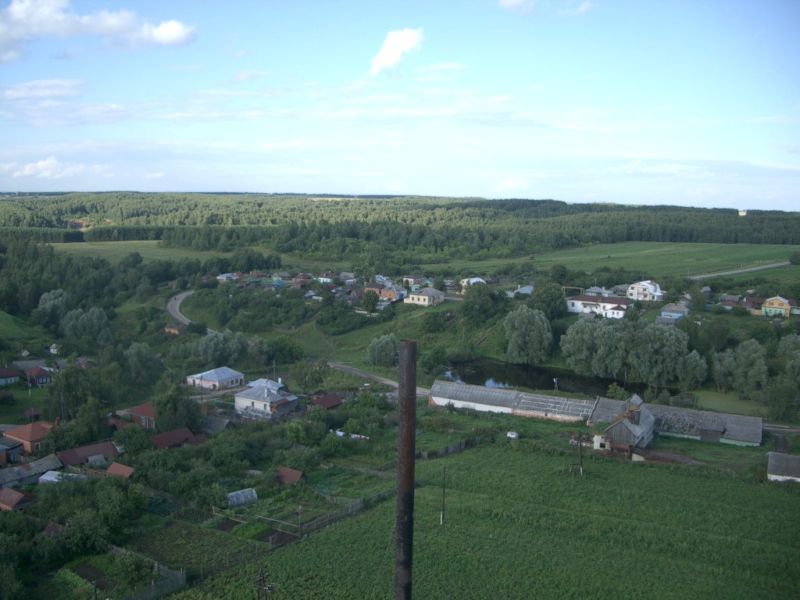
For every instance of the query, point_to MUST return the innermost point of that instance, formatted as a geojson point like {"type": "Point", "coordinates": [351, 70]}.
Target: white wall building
{"type": "Point", "coordinates": [610, 307]}
{"type": "Point", "coordinates": [425, 297]}
{"type": "Point", "coordinates": [216, 379]}
{"type": "Point", "coordinates": [645, 291]}
{"type": "Point", "coordinates": [268, 401]}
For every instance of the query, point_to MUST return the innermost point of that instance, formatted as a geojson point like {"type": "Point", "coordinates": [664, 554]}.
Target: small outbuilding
{"type": "Point", "coordinates": [11, 499]}
{"type": "Point", "coordinates": [241, 497]}
{"type": "Point", "coordinates": [116, 469]}
{"type": "Point", "coordinates": [783, 467]}
{"type": "Point", "coordinates": [287, 476]}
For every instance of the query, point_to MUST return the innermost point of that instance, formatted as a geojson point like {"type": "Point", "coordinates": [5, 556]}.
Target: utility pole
{"type": "Point", "coordinates": [407, 417]}
{"type": "Point", "coordinates": [263, 586]}
{"type": "Point", "coordinates": [444, 487]}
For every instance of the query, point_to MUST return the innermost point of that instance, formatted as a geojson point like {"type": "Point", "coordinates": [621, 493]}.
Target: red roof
{"type": "Point", "coordinates": [143, 410]}
{"type": "Point", "coordinates": [173, 439]}
{"type": "Point", "coordinates": [32, 432]}
{"type": "Point", "coordinates": [288, 476]}
{"type": "Point", "coordinates": [78, 456]}
{"type": "Point", "coordinates": [10, 499]}
{"type": "Point", "coordinates": [327, 401]}
{"type": "Point", "coordinates": [5, 373]}
{"type": "Point", "coordinates": [119, 470]}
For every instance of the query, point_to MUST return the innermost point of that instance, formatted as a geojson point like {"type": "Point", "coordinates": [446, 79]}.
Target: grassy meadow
{"type": "Point", "coordinates": [149, 250]}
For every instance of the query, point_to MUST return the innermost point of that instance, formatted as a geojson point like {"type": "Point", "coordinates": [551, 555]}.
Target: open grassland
{"type": "Point", "coordinates": [789, 274]}
{"type": "Point", "coordinates": [519, 525]}
{"type": "Point", "coordinates": [19, 334]}
{"type": "Point", "coordinates": [149, 250]}
{"type": "Point", "coordinates": [667, 259]}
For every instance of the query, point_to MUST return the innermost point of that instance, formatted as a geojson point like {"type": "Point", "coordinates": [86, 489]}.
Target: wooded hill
{"type": "Point", "coordinates": [335, 226]}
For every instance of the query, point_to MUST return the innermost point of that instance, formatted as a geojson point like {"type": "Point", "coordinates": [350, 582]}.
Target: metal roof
{"type": "Point", "coordinates": [218, 374]}
{"type": "Point", "coordinates": [519, 402]}
{"type": "Point", "coordinates": [687, 421]}
{"type": "Point", "coordinates": [784, 465]}
{"type": "Point", "coordinates": [242, 497]}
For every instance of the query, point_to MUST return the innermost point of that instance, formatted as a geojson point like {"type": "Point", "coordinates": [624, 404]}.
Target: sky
{"type": "Point", "coordinates": [681, 102]}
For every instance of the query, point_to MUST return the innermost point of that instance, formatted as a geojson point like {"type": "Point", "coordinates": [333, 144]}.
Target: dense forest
{"type": "Point", "coordinates": [335, 227]}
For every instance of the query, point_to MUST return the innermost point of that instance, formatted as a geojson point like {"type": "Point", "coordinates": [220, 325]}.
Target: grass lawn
{"type": "Point", "coordinates": [149, 249]}
{"type": "Point", "coordinates": [24, 398]}
{"type": "Point", "coordinates": [728, 402]}
{"type": "Point", "coordinates": [17, 334]}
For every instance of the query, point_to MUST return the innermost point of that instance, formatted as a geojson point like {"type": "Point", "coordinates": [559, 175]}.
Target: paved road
{"type": "Point", "coordinates": [421, 391]}
{"type": "Point", "coordinates": [785, 263]}
{"type": "Point", "coordinates": [174, 308]}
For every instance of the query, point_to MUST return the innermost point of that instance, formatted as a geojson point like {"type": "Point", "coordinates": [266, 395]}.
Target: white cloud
{"type": "Point", "coordinates": [513, 183]}
{"type": "Point", "coordinates": [27, 20]}
{"type": "Point", "coordinates": [167, 33]}
{"type": "Point", "coordinates": [43, 88]}
{"type": "Point", "coordinates": [396, 44]}
{"type": "Point", "coordinates": [583, 8]}
{"type": "Point", "coordinates": [243, 76]}
{"type": "Point", "coordinates": [51, 168]}
{"type": "Point", "coordinates": [517, 5]}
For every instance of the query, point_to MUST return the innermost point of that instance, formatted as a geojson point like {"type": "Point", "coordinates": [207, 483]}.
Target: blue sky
{"type": "Point", "coordinates": [640, 102]}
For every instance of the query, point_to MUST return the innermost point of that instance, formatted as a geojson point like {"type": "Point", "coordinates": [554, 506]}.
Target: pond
{"type": "Point", "coordinates": [491, 373]}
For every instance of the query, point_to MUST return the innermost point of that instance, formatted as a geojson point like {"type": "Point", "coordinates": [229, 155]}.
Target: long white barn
{"type": "Point", "coordinates": [512, 402]}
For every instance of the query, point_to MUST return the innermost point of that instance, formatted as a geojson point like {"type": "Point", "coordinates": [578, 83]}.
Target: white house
{"type": "Point", "coordinates": [216, 379]}
{"type": "Point", "coordinates": [611, 307]}
{"type": "Point", "coordinates": [425, 297]}
{"type": "Point", "coordinates": [225, 277]}
{"type": "Point", "coordinates": [264, 402]}
{"type": "Point", "coordinates": [646, 291]}
{"type": "Point", "coordinates": [470, 281]}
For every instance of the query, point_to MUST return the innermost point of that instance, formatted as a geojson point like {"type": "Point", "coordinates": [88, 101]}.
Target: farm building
{"type": "Point", "coordinates": [93, 454]}
{"type": "Point", "coordinates": [29, 472]}
{"type": "Point", "coordinates": [216, 379]}
{"type": "Point", "coordinates": [175, 438]}
{"type": "Point", "coordinates": [537, 406]}
{"type": "Point", "coordinates": [264, 402]}
{"type": "Point", "coordinates": [688, 423]}
{"type": "Point", "coordinates": [633, 427]}
{"type": "Point", "coordinates": [783, 467]}
{"type": "Point", "coordinates": [59, 476]}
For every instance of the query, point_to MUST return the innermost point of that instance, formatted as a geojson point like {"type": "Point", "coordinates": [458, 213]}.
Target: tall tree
{"type": "Point", "coordinates": [528, 335]}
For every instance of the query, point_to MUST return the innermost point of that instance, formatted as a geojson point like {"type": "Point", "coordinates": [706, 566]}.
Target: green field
{"type": "Point", "coordinates": [519, 525]}
{"type": "Point", "coordinates": [667, 259]}
{"type": "Point", "coordinates": [149, 249]}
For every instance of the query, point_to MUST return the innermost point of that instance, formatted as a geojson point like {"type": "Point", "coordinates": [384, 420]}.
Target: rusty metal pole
{"type": "Point", "coordinates": [407, 414]}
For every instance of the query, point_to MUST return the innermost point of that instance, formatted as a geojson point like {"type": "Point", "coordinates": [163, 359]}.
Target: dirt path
{"type": "Point", "coordinates": [421, 391]}
{"type": "Point", "coordinates": [777, 265]}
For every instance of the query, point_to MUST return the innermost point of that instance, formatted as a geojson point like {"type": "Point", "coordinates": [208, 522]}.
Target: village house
{"type": "Point", "coordinates": [645, 291]}
{"type": "Point", "coordinates": [175, 438]}
{"type": "Point", "coordinates": [348, 279]}
{"type": "Point", "coordinates": [143, 415]}
{"type": "Point", "coordinates": [326, 278]}
{"type": "Point", "coordinates": [672, 313]}
{"type": "Point", "coordinates": [392, 292]}
{"type": "Point", "coordinates": [216, 379]}
{"type": "Point", "coordinates": [521, 290]}
{"type": "Point", "coordinates": [753, 304]}
{"type": "Point", "coordinates": [778, 306]}
{"type": "Point", "coordinates": [598, 291]}
{"type": "Point", "coordinates": [783, 467]}
{"type": "Point", "coordinates": [228, 277]}
{"type": "Point", "coordinates": [30, 436]}
{"type": "Point", "coordinates": [8, 377]}
{"type": "Point", "coordinates": [268, 401]}
{"type": "Point", "coordinates": [96, 455]}
{"type": "Point", "coordinates": [611, 307]}
{"type": "Point", "coordinates": [468, 282]}
{"type": "Point", "coordinates": [425, 297]}
{"type": "Point", "coordinates": [634, 427]}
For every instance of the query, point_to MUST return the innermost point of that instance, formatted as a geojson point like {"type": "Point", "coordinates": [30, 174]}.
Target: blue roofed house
{"type": "Point", "coordinates": [269, 400]}
{"type": "Point", "coordinates": [216, 379]}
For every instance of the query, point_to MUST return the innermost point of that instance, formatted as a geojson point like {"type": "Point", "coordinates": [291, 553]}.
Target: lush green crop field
{"type": "Point", "coordinates": [667, 259]}
{"type": "Point", "coordinates": [149, 249]}
{"type": "Point", "coordinates": [520, 526]}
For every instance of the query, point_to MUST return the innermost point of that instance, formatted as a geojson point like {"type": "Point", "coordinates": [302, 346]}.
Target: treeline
{"type": "Point", "coordinates": [342, 225]}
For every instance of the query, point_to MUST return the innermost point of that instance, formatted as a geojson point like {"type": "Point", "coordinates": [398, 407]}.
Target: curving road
{"type": "Point", "coordinates": [174, 308]}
